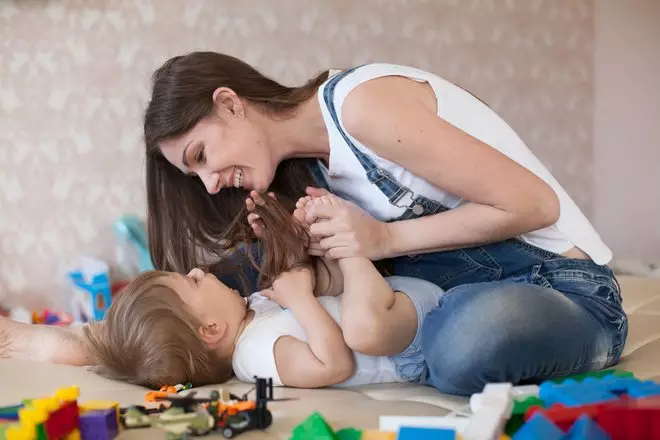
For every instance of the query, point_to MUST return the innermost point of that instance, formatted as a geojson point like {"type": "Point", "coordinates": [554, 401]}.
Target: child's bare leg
{"type": "Point", "coordinates": [43, 343]}
{"type": "Point", "coordinates": [375, 319]}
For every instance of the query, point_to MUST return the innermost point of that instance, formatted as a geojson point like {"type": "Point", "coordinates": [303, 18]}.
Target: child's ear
{"type": "Point", "coordinates": [213, 333]}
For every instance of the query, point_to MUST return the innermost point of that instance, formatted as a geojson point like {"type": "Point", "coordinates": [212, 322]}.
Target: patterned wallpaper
{"type": "Point", "coordinates": [74, 79]}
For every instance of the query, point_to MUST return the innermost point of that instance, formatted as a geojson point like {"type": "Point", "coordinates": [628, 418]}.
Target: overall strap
{"type": "Point", "coordinates": [398, 195]}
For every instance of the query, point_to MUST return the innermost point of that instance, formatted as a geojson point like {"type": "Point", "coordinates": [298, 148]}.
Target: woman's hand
{"type": "Point", "coordinates": [292, 288]}
{"type": "Point", "coordinates": [347, 230]}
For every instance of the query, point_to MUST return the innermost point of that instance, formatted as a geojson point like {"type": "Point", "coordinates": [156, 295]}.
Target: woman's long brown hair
{"type": "Point", "coordinates": [187, 227]}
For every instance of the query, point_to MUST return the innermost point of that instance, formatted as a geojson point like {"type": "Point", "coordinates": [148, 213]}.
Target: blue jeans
{"type": "Point", "coordinates": [516, 313]}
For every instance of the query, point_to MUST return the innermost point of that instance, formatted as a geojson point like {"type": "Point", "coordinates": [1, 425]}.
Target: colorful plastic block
{"type": "Point", "coordinates": [586, 429]}
{"type": "Point", "coordinates": [564, 417]}
{"type": "Point", "coordinates": [99, 425]}
{"type": "Point", "coordinates": [97, 405]}
{"type": "Point", "coordinates": [413, 433]}
{"type": "Point", "coordinates": [349, 434]}
{"type": "Point", "coordinates": [313, 427]}
{"type": "Point", "coordinates": [596, 390]}
{"type": "Point", "coordinates": [595, 374]}
{"type": "Point", "coordinates": [539, 428]}
{"type": "Point", "coordinates": [378, 435]}
{"type": "Point", "coordinates": [62, 421]}
{"type": "Point", "coordinates": [10, 412]}
{"type": "Point", "coordinates": [394, 423]}
{"type": "Point", "coordinates": [520, 407]}
{"type": "Point", "coordinates": [632, 419]}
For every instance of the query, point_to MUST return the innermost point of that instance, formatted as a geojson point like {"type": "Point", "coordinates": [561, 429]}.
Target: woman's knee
{"type": "Point", "coordinates": [489, 332]}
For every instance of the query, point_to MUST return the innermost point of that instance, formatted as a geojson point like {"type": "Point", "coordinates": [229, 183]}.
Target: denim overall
{"type": "Point", "coordinates": [511, 312]}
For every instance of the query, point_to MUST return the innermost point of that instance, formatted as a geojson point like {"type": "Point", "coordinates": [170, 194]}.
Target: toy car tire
{"type": "Point", "coordinates": [227, 433]}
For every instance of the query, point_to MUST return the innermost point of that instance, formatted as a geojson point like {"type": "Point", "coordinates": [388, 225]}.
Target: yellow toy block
{"type": "Point", "coordinates": [19, 432]}
{"type": "Point", "coordinates": [32, 416]}
{"type": "Point", "coordinates": [73, 435]}
{"type": "Point", "coordinates": [47, 404]}
{"type": "Point", "coordinates": [378, 435]}
{"type": "Point", "coordinates": [67, 394]}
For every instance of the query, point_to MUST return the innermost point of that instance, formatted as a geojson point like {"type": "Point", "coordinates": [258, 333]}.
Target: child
{"type": "Point", "coordinates": [167, 328]}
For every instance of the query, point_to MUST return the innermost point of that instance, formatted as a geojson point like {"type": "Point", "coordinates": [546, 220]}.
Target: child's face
{"type": "Point", "coordinates": [210, 300]}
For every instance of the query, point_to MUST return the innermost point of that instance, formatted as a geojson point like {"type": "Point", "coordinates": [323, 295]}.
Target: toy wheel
{"type": "Point", "coordinates": [228, 433]}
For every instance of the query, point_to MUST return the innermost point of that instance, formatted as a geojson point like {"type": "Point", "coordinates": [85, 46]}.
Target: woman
{"type": "Point", "coordinates": [442, 189]}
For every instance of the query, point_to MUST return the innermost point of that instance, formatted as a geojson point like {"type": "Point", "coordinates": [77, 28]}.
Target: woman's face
{"type": "Point", "coordinates": [228, 148]}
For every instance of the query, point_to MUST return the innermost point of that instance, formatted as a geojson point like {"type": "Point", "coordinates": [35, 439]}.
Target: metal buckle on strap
{"type": "Point", "coordinates": [407, 200]}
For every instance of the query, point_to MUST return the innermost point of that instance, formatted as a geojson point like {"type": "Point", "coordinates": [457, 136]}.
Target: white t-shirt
{"type": "Point", "coordinates": [346, 176]}
{"type": "Point", "coordinates": [254, 354]}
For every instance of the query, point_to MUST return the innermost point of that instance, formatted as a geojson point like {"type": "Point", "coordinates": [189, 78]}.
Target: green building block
{"type": "Point", "coordinates": [312, 428]}
{"type": "Point", "coordinates": [595, 374]}
{"type": "Point", "coordinates": [349, 434]}
{"type": "Point", "coordinates": [520, 407]}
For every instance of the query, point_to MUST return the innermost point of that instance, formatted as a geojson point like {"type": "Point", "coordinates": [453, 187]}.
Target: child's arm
{"type": "Point", "coordinates": [324, 359]}
{"type": "Point", "coordinates": [376, 320]}
{"type": "Point", "coordinates": [43, 343]}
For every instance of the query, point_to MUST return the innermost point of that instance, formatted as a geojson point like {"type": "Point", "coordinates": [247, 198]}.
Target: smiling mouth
{"type": "Point", "coordinates": [238, 178]}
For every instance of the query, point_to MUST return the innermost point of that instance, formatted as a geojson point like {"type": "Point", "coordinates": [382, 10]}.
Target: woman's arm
{"type": "Point", "coordinates": [324, 359]}
{"type": "Point", "coordinates": [43, 343]}
{"type": "Point", "coordinates": [402, 126]}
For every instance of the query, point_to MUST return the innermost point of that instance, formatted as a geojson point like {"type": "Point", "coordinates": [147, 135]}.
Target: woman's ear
{"type": "Point", "coordinates": [213, 333]}
{"type": "Point", "coordinates": [228, 102]}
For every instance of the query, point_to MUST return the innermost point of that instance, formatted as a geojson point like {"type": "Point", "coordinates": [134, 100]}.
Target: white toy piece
{"type": "Point", "coordinates": [394, 423]}
{"type": "Point", "coordinates": [492, 409]}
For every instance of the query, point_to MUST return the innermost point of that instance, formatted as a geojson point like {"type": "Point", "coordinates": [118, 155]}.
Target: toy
{"type": "Point", "coordinates": [92, 293]}
{"type": "Point", "coordinates": [99, 424]}
{"type": "Point", "coordinates": [59, 417]}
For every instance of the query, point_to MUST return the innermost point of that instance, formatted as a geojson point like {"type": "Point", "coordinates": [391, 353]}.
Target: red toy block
{"type": "Point", "coordinates": [564, 416]}
{"type": "Point", "coordinates": [632, 419]}
{"type": "Point", "coordinates": [62, 421]}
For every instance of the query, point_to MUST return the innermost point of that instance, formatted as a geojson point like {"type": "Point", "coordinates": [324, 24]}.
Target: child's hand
{"type": "Point", "coordinates": [291, 287]}
{"type": "Point", "coordinates": [253, 219]}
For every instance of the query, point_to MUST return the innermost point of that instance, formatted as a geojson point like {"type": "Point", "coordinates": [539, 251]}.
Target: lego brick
{"type": "Point", "coordinates": [596, 390]}
{"type": "Point", "coordinates": [595, 374]}
{"type": "Point", "coordinates": [394, 423]}
{"type": "Point", "coordinates": [586, 429]}
{"type": "Point", "coordinates": [631, 419]}
{"type": "Point", "coordinates": [378, 435]}
{"type": "Point", "coordinates": [414, 433]}
{"type": "Point", "coordinates": [349, 434]}
{"type": "Point", "coordinates": [73, 435]}
{"type": "Point", "coordinates": [99, 425]}
{"type": "Point", "coordinates": [62, 421]}
{"type": "Point", "coordinates": [485, 424]}
{"type": "Point", "coordinates": [95, 405]}
{"type": "Point", "coordinates": [539, 428]}
{"type": "Point", "coordinates": [520, 407]}
{"type": "Point", "coordinates": [10, 412]}
{"type": "Point", "coordinates": [313, 427]}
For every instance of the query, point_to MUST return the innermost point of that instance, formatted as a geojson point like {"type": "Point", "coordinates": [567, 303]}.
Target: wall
{"type": "Point", "coordinates": [627, 126]}
{"type": "Point", "coordinates": [75, 77]}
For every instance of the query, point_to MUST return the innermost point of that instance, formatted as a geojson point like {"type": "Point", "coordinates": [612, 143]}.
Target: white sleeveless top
{"type": "Point", "coordinates": [254, 356]}
{"type": "Point", "coordinates": [346, 176]}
